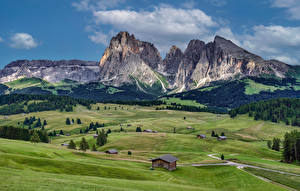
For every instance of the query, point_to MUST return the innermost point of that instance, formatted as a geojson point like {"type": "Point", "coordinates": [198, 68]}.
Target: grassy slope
{"type": "Point", "coordinates": [27, 166]}
{"type": "Point", "coordinates": [247, 138]}
{"type": "Point", "coordinates": [290, 181]}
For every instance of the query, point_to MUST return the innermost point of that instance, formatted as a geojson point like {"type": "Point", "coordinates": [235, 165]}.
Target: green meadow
{"type": "Point", "coordinates": [29, 166]}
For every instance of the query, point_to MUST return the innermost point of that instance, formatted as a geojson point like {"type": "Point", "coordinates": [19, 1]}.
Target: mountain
{"type": "Point", "coordinates": [51, 71]}
{"type": "Point", "coordinates": [128, 61]}
{"type": "Point", "coordinates": [221, 59]}
{"type": "Point", "coordinates": [133, 69]}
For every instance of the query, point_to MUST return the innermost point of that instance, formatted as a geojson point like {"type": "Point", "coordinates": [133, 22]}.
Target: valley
{"type": "Point", "coordinates": [53, 165]}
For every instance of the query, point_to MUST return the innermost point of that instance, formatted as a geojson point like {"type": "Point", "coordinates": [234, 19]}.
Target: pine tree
{"type": "Point", "coordinates": [45, 123]}
{"type": "Point", "coordinates": [72, 145]}
{"type": "Point", "coordinates": [213, 133]}
{"type": "Point", "coordinates": [68, 122]}
{"type": "Point", "coordinates": [102, 138]}
{"type": "Point", "coordinates": [222, 157]}
{"type": "Point", "coordinates": [98, 108]}
{"type": "Point", "coordinates": [222, 134]}
{"type": "Point", "coordinates": [108, 131]}
{"type": "Point", "coordinates": [269, 144]}
{"type": "Point", "coordinates": [35, 137]}
{"type": "Point", "coordinates": [83, 145]}
{"type": "Point", "coordinates": [276, 144]}
{"type": "Point", "coordinates": [94, 147]}
{"type": "Point", "coordinates": [78, 121]}
{"type": "Point", "coordinates": [61, 132]}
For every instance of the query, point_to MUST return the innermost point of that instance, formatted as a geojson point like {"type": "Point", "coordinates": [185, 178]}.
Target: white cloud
{"type": "Point", "coordinates": [23, 41]}
{"type": "Point", "coordinates": [274, 41]}
{"type": "Point", "coordinates": [163, 26]}
{"type": "Point", "coordinates": [292, 6]}
{"type": "Point", "coordinates": [188, 4]}
{"type": "Point", "coordinates": [218, 3]}
{"type": "Point", "coordinates": [99, 38]}
{"type": "Point", "coordinates": [1, 39]}
{"type": "Point", "coordinates": [93, 5]}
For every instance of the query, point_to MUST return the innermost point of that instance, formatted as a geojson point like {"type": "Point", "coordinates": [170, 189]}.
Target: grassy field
{"type": "Point", "coordinates": [28, 166]}
{"type": "Point", "coordinates": [52, 165]}
{"type": "Point", "coordinates": [290, 181]}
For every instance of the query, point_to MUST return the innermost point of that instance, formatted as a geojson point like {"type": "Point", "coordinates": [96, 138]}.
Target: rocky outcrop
{"type": "Point", "coordinates": [220, 60]}
{"type": "Point", "coordinates": [52, 71]}
{"type": "Point", "coordinates": [128, 60]}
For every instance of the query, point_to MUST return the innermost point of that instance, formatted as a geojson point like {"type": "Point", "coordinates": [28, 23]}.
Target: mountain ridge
{"type": "Point", "coordinates": [129, 61]}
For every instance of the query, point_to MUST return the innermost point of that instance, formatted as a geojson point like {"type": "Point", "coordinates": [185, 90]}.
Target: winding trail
{"type": "Point", "coordinates": [239, 166]}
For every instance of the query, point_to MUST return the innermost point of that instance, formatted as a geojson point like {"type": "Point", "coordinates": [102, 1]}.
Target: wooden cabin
{"type": "Point", "coordinates": [222, 138]}
{"type": "Point", "coordinates": [111, 151]}
{"type": "Point", "coordinates": [166, 161]}
{"type": "Point", "coordinates": [201, 136]}
{"type": "Point", "coordinates": [95, 136]}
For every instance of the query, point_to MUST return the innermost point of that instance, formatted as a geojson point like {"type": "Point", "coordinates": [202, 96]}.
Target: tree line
{"type": "Point", "coordinates": [189, 108]}
{"type": "Point", "coordinates": [15, 103]}
{"type": "Point", "coordinates": [10, 132]}
{"type": "Point", "coordinates": [285, 110]}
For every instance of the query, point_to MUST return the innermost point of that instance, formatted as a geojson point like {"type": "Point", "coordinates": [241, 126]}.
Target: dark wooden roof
{"type": "Point", "coordinates": [167, 158]}
{"type": "Point", "coordinates": [112, 151]}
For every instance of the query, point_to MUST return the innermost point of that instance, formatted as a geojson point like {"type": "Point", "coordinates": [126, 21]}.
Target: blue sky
{"type": "Point", "coordinates": [81, 29]}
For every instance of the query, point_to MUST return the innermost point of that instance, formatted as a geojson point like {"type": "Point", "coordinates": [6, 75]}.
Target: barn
{"type": "Point", "coordinates": [201, 136]}
{"type": "Point", "coordinates": [166, 161]}
{"type": "Point", "coordinates": [111, 151]}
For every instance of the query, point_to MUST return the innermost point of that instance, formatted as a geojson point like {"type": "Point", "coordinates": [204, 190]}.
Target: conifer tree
{"type": "Point", "coordinates": [72, 145]}
{"type": "Point", "coordinates": [83, 145]}
{"type": "Point", "coordinates": [35, 137]}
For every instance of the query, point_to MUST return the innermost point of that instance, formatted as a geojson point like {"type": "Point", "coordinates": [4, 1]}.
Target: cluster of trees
{"type": "Point", "coordinates": [189, 108]}
{"type": "Point", "coordinates": [283, 109]}
{"type": "Point", "coordinates": [138, 129]}
{"type": "Point", "coordinates": [275, 144]}
{"type": "Point", "coordinates": [54, 133]}
{"type": "Point", "coordinates": [215, 134]}
{"type": "Point", "coordinates": [93, 126]}
{"type": "Point", "coordinates": [291, 147]}
{"type": "Point", "coordinates": [15, 103]}
{"type": "Point", "coordinates": [10, 132]}
{"type": "Point", "coordinates": [140, 103]}
{"type": "Point", "coordinates": [30, 121]}
{"type": "Point", "coordinates": [68, 121]}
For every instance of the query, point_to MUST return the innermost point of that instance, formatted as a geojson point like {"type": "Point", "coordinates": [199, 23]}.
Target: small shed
{"type": "Point", "coordinates": [201, 136]}
{"type": "Point", "coordinates": [148, 131]}
{"type": "Point", "coordinates": [166, 161]}
{"type": "Point", "coordinates": [65, 144]}
{"type": "Point", "coordinates": [112, 151]}
{"type": "Point", "coordinates": [222, 138]}
{"type": "Point", "coordinates": [95, 136]}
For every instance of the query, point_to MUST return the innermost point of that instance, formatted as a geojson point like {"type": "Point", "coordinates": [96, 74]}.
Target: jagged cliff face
{"type": "Point", "coordinates": [52, 71]}
{"type": "Point", "coordinates": [220, 60]}
{"type": "Point", "coordinates": [128, 60]}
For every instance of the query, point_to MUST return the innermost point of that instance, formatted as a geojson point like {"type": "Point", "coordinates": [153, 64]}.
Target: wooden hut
{"type": "Point", "coordinates": [222, 138]}
{"type": "Point", "coordinates": [166, 161]}
{"type": "Point", "coordinates": [201, 136]}
{"type": "Point", "coordinates": [111, 151]}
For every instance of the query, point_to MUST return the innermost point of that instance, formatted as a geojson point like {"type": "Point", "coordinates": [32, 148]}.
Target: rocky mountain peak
{"type": "Point", "coordinates": [128, 59]}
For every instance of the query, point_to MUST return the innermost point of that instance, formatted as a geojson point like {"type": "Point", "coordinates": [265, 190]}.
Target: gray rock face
{"type": "Point", "coordinates": [52, 71]}
{"type": "Point", "coordinates": [128, 60]}
{"type": "Point", "coordinates": [220, 60]}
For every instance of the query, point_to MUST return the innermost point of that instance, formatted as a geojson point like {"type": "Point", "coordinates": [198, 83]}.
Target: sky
{"type": "Point", "coordinates": [82, 29]}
